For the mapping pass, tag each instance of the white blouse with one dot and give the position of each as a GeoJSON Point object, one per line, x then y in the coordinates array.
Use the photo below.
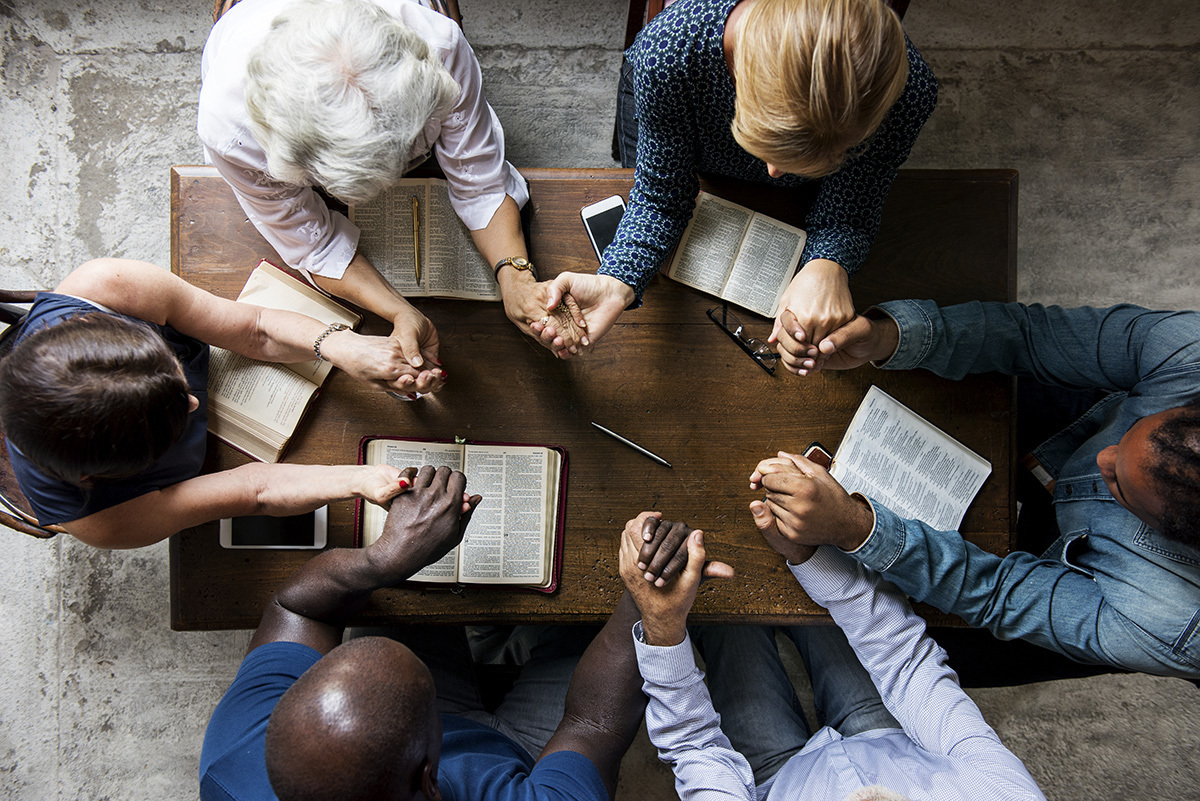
{"type": "Point", "coordinates": [468, 142]}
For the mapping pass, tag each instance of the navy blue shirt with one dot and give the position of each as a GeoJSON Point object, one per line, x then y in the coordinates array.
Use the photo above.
{"type": "Point", "coordinates": [55, 501]}
{"type": "Point", "coordinates": [477, 763]}
{"type": "Point", "coordinates": [685, 99]}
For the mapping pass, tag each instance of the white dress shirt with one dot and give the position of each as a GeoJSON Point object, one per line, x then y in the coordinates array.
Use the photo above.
{"type": "Point", "coordinates": [468, 142]}
{"type": "Point", "coordinates": [946, 750]}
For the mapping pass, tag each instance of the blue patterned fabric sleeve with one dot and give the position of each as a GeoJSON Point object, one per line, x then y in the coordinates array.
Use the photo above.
{"type": "Point", "coordinates": [845, 218]}
{"type": "Point", "coordinates": [665, 182]}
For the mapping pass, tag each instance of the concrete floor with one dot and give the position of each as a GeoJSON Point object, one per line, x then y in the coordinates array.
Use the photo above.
{"type": "Point", "coordinates": [1096, 105]}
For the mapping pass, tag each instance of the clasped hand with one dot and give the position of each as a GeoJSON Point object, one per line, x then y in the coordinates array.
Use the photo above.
{"type": "Point", "coordinates": [805, 507]}
{"type": "Point", "coordinates": [423, 524]}
{"type": "Point", "coordinates": [650, 557]}
{"type": "Point", "coordinates": [816, 303]}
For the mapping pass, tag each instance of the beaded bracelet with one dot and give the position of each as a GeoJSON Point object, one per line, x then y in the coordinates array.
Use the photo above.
{"type": "Point", "coordinates": [332, 327]}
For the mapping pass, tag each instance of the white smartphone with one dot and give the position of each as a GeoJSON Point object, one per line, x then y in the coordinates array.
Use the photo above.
{"type": "Point", "coordinates": [601, 220]}
{"type": "Point", "coordinates": [306, 531]}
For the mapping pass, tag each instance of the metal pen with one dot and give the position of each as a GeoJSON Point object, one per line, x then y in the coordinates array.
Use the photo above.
{"type": "Point", "coordinates": [416, 211]}
{"type": "Point", "coordinates": [633, 445]}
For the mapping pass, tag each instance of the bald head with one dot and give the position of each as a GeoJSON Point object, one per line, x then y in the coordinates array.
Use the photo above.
{"type": "Point", "coordinates": [359, 724]}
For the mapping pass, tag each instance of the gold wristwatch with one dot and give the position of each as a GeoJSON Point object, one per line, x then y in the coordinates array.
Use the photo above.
{"type": "Point", "coordinates": [517, 263]}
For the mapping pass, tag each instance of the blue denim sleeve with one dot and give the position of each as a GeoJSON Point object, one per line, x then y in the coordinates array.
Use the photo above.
{"type": "Point", "coordinates": [1119, 348]}
{"type": "Point", "coordinates": [665, 182]}
{"type": "Point", "coordinates": [1018, 596]}
{"type": "Point", "coordinates": [845, 218]}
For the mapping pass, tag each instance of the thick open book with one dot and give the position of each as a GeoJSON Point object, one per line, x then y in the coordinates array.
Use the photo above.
{"type": "Point", "coordinates": [451, 267]}
{"type": "Point", "coordinates": [515, 534]}
{"type": "Point", "coordinates": [255, 406]}
{"type": "Point", "coordinates": [737, 254]}
{"type": "Point", "coordinates": [915, 469]}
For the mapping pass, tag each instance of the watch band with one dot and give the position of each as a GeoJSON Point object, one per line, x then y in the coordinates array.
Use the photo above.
{"type": "Point", "coordinates": [518, 263]}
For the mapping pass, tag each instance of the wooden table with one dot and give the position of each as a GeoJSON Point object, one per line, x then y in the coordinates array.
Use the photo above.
{"type": "Point", "coordinates": [665, 376]}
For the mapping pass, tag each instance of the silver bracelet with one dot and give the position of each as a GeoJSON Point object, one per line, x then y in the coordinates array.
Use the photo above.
{"type": "Point", "coordinates": [332, 327]}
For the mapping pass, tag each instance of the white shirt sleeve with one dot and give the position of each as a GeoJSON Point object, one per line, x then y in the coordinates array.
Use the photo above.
{"type": "Point", "coordinates": [470, 146]}
{"type": "Point", "coordinates": [909, 669]}
{"type": "Point", "coordinates": [685, 728]}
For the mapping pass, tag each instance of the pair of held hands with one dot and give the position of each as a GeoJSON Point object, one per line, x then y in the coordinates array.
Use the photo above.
{"type": "Point", "coordinates": [808, 333]}
{"type": "Point", "coordinates": [661, 561]}
{"type": "Point", "coordinates": [804, 508]}
{"type": "Point", "coordinates": [816, 328]}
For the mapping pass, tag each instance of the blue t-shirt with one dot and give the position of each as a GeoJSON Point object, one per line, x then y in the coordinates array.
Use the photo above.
{"type": "Point", "coordinates": [55, 501]}
{"type": "Point", "coordinates": [478, 763]}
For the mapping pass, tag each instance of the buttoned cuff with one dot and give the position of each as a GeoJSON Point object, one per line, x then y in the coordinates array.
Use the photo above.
{"type": "Point", "coordinates": [915, 325]}
{"type": "Point", "coordinates": [664, 664]}
{"type": "Point", "coordinates": [886, 541]}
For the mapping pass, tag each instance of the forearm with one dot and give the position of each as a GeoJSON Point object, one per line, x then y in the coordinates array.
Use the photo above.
{"type": "Point", "coordinates": [604, 704]}
{"type": "Point", "coordinates": [502, 237]}
{"type": "Point", "coordinates": [366, 288]}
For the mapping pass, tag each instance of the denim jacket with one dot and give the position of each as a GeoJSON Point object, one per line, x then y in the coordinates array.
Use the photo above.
{"type": "Point", "coordinates": [1111, 590]}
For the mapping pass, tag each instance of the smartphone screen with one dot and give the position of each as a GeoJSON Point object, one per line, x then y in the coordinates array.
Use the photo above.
{"type": "Point", "coordinates": [602, 225]}
{"type": "Point", "coordinates": [294, 531]}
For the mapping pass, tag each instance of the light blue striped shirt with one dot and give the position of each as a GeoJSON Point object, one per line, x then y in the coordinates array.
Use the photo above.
{"type": "Point", "coordinates": [946, 750]}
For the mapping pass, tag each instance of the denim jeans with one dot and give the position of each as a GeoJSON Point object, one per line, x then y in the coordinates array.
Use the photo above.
{"type": "Point", "coordinates": [759, 711]}
{"type": "Point", "coordinates": [532, 710]}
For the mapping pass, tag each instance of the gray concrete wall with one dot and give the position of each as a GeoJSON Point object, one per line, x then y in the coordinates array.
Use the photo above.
{"type": "Point", "coordinates": [1096, 104]}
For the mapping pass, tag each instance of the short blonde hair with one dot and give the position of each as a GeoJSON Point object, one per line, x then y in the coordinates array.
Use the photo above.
{"type": "Point", "coordinates": [815, 78]}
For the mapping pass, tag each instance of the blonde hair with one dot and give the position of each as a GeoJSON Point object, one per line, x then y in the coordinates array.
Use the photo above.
{"type": "Point", "coordinates": [815, 78]}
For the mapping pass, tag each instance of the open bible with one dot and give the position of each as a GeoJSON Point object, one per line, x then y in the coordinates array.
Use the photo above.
{"type": "Point", "coordinates": [737, 254]}
{"type": "Point", "coordinates": [396, 233]}
{"type": "Point", "coordinates": [915, 469]}
{"type": "Point", "coordinates": [255, 406]}
{"type": "Point", "coordinates": [515, 534]}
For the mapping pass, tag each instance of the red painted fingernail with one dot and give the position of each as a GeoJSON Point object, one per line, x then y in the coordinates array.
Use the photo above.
{"type": "Point", "coordinates": [404, 483]}
{"type": "Point", "coordinates": [411, 396]}
{"type": "Point", "coordinates": [445, 375]}
{"type": "Point", "coordinates": [438, 362]}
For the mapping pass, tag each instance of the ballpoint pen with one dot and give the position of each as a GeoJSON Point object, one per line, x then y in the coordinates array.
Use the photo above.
{"type": "Point", "coordinates": [633, 445]}
{"type": "Point", "coordinates": [416, 211]}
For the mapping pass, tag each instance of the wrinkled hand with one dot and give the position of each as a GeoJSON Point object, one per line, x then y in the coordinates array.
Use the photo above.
{"type": "Point", "coordinates": [600, 298]}
{"type": "Point", "coordinates": [418, 341]}
{"type": "Point", "coordinates": [379, 361]}
{"type": "Point", "coordinates": [816, 303]}
{"type": "Point", "coordinates": [664, 606]}
{"type": "Point", "coordinates": [560, 327]}
{"type": "Point", "coordinates": [809, 507]}
{"type": "Point", "coordinates": [423, 524]}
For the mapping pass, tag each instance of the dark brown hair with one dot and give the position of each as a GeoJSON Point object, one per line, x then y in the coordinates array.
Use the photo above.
{"type": "Point", "coordinates": [94, 396]}
{"type": "Point", "coordinates": [1176, 469]}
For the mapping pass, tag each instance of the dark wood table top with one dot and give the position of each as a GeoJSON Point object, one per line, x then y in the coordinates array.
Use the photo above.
{"type": "Point", "coordinates": [665, 377]}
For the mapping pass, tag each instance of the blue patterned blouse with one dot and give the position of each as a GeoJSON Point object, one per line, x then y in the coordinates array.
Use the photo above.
{"type": "Point", "coordinates": [685, 103]}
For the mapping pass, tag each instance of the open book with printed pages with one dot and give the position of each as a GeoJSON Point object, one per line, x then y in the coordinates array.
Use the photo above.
{"type": "Point", "coordinates": [255, 406]}
{"type": "Point", "coordinates": [896, 457]}
{"type": "Point", "coordinates": [451, 266]}
{"type": "Point", "coordinates": [737, 254]}
{"type": "Point", "coordinates": [515, 534]}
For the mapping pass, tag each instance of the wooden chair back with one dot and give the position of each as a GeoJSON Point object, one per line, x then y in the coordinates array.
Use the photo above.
{"type": "Point", "coordinates": [15, 511]}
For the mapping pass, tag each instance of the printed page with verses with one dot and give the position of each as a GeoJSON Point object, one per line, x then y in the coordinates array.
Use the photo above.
{"type": "Point", "coordinates": [915, 469]}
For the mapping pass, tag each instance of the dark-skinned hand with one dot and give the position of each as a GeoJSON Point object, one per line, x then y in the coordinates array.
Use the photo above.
{"type": "Point", "coordinates": [664, 605]}
{"type": "Point", "coordinates": [423, 524]}
{"type": "Point", "coordinates": [807, 504]}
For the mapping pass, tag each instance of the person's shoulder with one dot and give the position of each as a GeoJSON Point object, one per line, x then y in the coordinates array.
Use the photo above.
{"type": "Point", "coordinates": [437, 30]}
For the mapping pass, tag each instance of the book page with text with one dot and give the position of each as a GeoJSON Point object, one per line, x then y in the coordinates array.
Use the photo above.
{"type": "Point", "coordinates": [269, 393]}
{"type": "Point", "coordinates": [506, 541]}
{"type": "Point", "coordinates": [386, 238]}
{"type": "Point", "coordinates": [764, 266]}
{"type": "Point", "coordinates": [915, 469]}
{"type": "Point", "coordinates": [401, 454]}
{"type": "Point", "coordinates": [461, 270]}
{"type": "Point", "coordinates": [710, 244]}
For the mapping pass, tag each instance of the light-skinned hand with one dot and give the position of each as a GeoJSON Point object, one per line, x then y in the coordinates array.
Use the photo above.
{"type": "Point", "coordinates": [600, 299]}
{"type": "Point", "coordinates": [815, 303]}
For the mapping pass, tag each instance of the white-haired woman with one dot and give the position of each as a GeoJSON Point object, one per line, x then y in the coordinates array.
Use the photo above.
{"type": "Point", "coordinates": [348, 95]}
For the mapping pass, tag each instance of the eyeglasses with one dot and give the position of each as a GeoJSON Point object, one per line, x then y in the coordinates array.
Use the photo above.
{"type": "Point", "coordinates": [755, 348]}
